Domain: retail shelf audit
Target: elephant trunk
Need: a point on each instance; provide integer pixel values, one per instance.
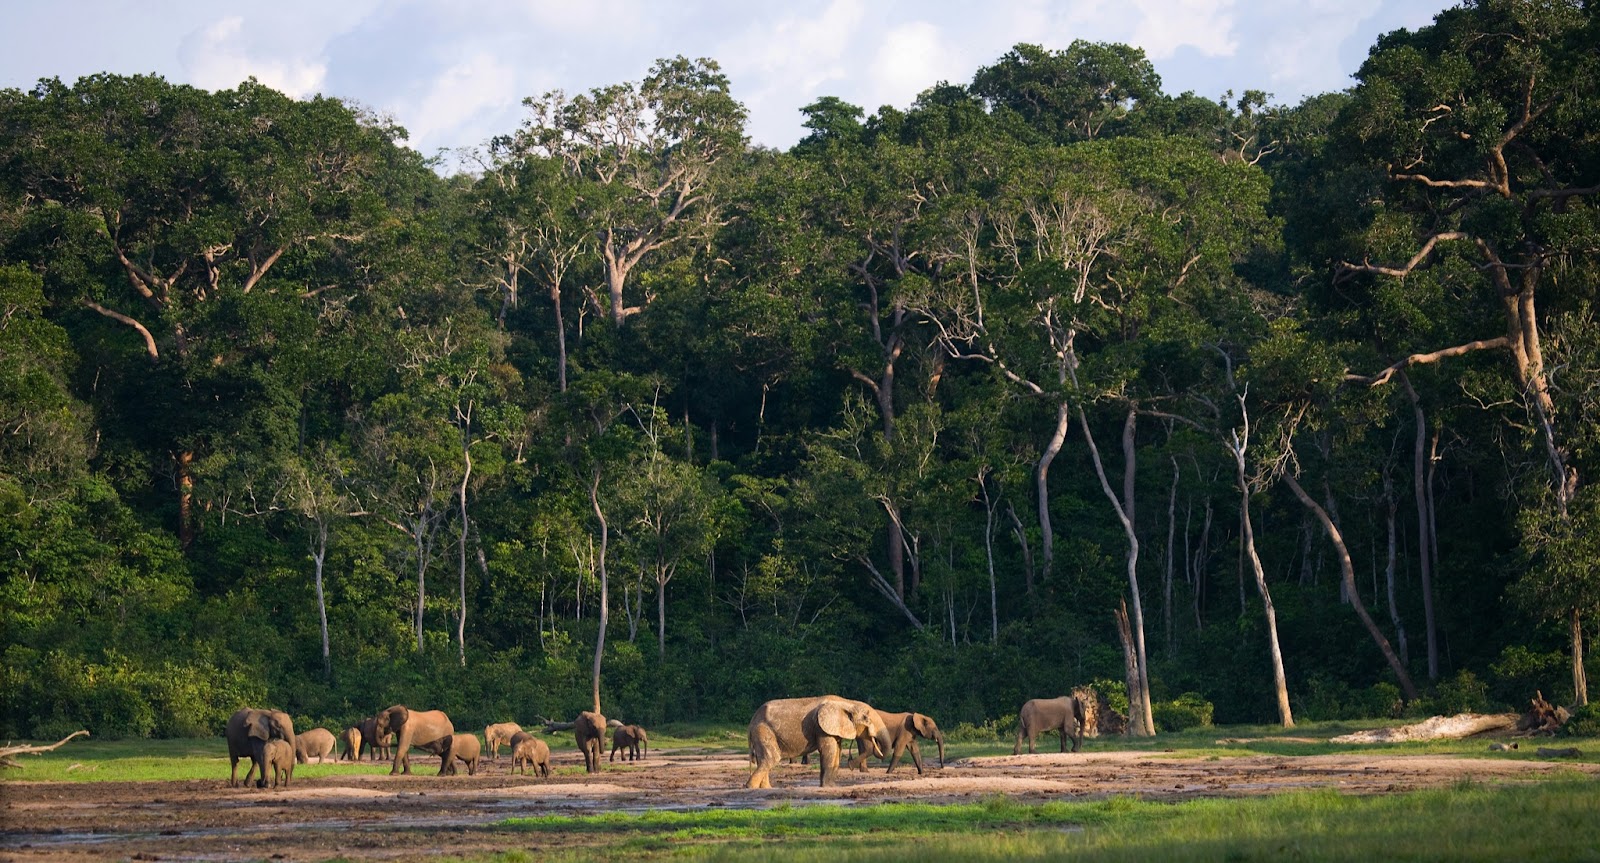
(258, 755)
(939, 738)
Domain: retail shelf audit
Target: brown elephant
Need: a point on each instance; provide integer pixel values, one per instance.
(424, 729)
(901, 731)
(378, 748)
(629, 738)
(465, 749)
(791, 727)
(280, 757)
(315, 743)
(1064, 715)
(351, 740)
(529, 751)
(590, 730)
(248, 731)
(497, 735)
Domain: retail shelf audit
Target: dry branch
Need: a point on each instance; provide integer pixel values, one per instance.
(1438, 728)
(8, 751)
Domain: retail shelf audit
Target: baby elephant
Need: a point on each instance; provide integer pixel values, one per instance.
(529, 751)
(280, 760)
(628, 738)
(463, 748)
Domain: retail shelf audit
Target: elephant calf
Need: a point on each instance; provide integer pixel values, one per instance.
(900, 733)
(280, 760)
(463, 748)
(315, 743)
(497, 735)
(526, 751)
(628, 738)
(351, 740)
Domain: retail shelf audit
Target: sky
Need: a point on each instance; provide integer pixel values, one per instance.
(454, 72)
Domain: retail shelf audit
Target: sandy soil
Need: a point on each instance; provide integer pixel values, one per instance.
(379, 818)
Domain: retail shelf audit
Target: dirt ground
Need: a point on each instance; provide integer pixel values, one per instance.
(378, 818)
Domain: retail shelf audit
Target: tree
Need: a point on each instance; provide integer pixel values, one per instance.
(1072, 95)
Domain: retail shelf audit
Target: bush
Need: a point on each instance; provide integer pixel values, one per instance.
(1521, 672)
(989, 731)
(1461, 693)
(1585, 722)
(1189, 710)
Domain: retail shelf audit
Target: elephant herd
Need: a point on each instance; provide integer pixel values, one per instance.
(781, 729)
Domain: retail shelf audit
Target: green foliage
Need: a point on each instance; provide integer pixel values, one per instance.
(1584, 722)
(1520, 672)
(1461, 692)
(1189, 710)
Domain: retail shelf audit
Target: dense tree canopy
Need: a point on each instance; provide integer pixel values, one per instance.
(909, 412)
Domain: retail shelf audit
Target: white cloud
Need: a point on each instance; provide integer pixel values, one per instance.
(459, 99)
(778, 66)
(216, 57)
(912, 58)
(1303, 53)
(1167, 25)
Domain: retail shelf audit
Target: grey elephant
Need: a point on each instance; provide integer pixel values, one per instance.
(900, 733)
(424, 729)
(629, 738)
(248, 731)
(315, 743)
(529, 751)
(590, 730)
(793, 727)
(377, 747)
(497, 735)
(465, 749)
(351, 740)
(280, 757)
(1064, 715)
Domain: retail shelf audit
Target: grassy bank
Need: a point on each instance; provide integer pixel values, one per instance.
(1550, 820)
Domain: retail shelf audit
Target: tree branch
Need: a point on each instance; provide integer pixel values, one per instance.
(1416, 260)
(149, 340)
(1383, 377)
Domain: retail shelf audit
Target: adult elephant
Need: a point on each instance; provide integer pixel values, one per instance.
(497, 735)
(316, 743)
(590, 730)
(793, 727)
(1064, 715)
(900, 733)
(351, 740)
(248, 731)
(425, 729)
(377, 748)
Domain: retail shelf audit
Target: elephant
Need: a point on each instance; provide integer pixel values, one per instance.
(464, 748)
(628, 738)
(529, 751)
(1064, 715)
(280, 757)
(351, 738)
(424, 729)
(494, 736)
(378, 747)
(901, 731)
(590, 730)
(316, 743)
(790, 727)
(248, 731)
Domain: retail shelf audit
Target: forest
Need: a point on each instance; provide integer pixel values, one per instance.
(1235, 409)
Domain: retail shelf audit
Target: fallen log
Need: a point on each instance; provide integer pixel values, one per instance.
(1437, 728)
(1563, 752)
(8, 751)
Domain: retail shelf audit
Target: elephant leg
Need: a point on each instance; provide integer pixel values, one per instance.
(258, 761)
(916, 755)
(894, 756)
(1017, 749)
(767, 755)
(1065, 736)
(233, 772)
(447, 758)
(828, 757)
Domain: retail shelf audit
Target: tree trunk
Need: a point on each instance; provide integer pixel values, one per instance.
(561, 338)
(1280, 686)
(1047, 537)
(319, 554)
(1580, 679)
(1425, 552)
(1348, 573)
(605, 611)
(461, 621)
(1391, 561)
(1022, 541)
(1130, 667)
(988, 551)
(661, 616)
(1166, 587)
(185, 499)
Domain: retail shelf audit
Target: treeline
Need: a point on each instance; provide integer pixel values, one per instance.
(1051, 378)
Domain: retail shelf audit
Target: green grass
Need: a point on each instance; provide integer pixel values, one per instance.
(1548, 820)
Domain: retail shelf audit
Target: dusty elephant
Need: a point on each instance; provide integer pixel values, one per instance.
(529, 751)
(280, 757)
(315, 743)
(900, 733)
(629, 738)
(351, 741)
(1064, 715)
(497, 735)
(377, 747)
(424, 729)
(248, 731)
(590, 730)
(791, 727)
(465, 749)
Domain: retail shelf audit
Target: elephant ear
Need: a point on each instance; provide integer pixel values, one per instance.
(924, 726)
(260, 727)
(833, 717)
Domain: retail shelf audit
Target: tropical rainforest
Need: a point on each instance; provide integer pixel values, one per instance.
(1052, 378)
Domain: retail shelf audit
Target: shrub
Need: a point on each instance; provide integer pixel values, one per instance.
(1521, 672)
(989, 731)
(1585, 721)
(1189, 710)
(1461, 693)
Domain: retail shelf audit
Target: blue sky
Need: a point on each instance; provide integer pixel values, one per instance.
(455, 73)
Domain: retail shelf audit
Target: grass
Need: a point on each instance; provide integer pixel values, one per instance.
(1548, 820)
